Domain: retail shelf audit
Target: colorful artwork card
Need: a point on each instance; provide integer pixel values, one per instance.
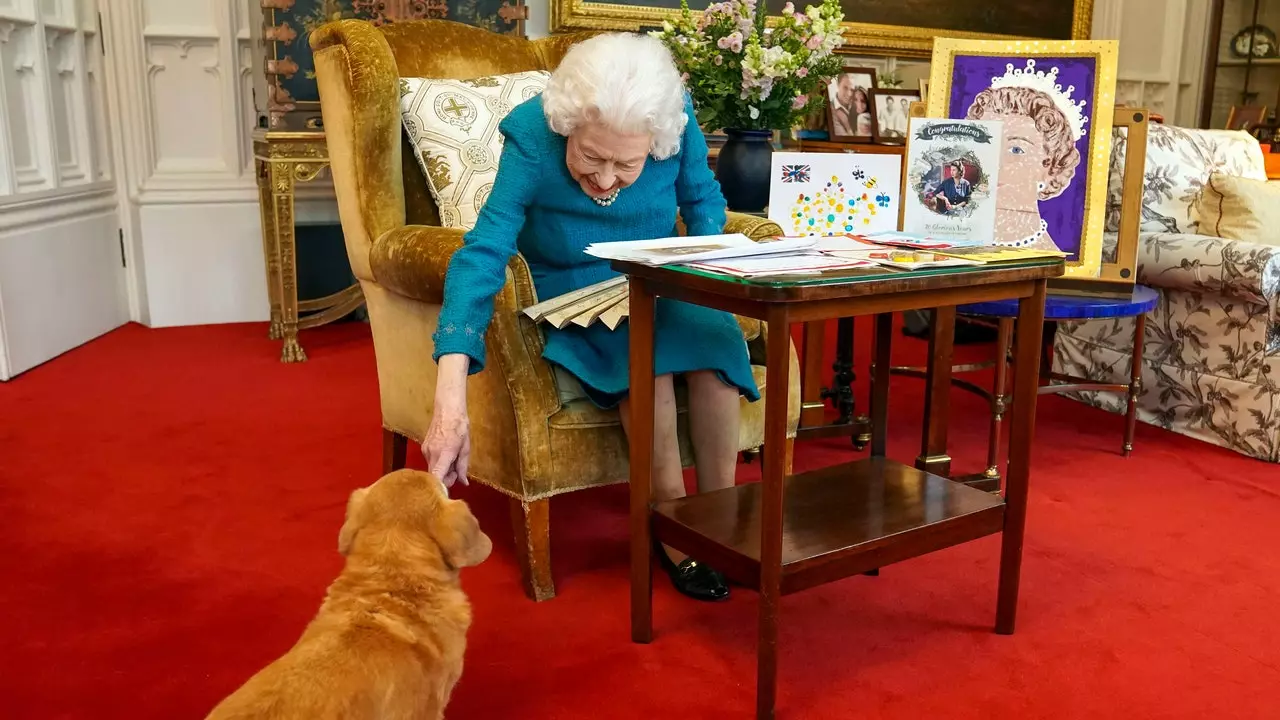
(835, 193)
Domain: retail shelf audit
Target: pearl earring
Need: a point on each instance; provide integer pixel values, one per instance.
(1039, 187)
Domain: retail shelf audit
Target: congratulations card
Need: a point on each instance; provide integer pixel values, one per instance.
(834, 193)
(953, 174)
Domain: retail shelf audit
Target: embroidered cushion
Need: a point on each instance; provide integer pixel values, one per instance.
(453, 128)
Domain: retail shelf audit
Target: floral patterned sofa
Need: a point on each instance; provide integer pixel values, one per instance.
(1211, 360)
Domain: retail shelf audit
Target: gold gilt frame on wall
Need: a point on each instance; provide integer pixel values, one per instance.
(901, 40)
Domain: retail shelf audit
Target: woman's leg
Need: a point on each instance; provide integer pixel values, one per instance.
(668, 475)
(714, 412)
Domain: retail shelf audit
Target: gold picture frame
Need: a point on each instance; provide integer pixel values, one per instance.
(860, 38)
(1076, 220)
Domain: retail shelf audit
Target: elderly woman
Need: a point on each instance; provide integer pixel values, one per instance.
(609, 152)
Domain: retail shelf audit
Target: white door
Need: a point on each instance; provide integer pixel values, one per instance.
(62, 279)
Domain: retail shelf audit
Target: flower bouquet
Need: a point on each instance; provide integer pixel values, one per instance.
(744, 75)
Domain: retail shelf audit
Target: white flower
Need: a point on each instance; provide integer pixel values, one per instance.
(754, 112)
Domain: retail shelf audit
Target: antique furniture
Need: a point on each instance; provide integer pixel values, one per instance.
(792, 532)
(282, 159)
(1059, 308)
(1212, 345)
(882, 28)
(1242, 65)
(525, 442)
(289, 143)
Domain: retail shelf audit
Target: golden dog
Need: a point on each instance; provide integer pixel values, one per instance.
(389, 639)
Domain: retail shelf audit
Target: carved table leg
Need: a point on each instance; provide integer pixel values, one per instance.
(1135, 383)
(282, 182)
(270, 249)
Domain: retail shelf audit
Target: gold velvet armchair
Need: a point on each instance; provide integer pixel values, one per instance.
(525, 442)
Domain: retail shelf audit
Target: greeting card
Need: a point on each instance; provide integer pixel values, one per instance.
(834, 193)
(953, 174)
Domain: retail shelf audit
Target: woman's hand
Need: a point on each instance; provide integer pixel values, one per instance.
(447, 447)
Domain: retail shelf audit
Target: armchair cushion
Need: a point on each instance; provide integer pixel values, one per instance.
(1240, 209)
(1235, 269)
(453, 128)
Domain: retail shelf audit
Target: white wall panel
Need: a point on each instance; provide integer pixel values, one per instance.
(55, 287)
(204, 264)
(186, 105)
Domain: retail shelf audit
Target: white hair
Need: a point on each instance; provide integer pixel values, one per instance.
(627, 82)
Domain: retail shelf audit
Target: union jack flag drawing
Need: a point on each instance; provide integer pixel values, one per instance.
(795, 173)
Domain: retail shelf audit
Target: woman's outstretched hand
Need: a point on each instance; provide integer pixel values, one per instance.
(447, 446)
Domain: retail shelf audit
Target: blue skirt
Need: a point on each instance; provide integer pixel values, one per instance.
(687, 338)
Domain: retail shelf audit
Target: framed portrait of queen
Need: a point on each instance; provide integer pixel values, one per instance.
(1055, 100)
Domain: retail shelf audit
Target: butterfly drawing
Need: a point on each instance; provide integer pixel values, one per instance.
(795, 173)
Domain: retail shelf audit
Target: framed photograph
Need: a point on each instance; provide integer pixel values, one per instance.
(1057, 102)
(892, 109)
(850, 114)
(1246, 117)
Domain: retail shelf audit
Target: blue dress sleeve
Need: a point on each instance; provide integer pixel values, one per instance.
(478, 270)
(702, 206)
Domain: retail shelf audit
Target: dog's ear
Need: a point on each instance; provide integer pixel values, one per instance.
(458, 534)
(354, 521)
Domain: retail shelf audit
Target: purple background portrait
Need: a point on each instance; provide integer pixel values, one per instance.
(972, 74)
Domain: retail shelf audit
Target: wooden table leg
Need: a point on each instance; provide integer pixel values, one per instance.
(778, 368)
(270, 250)
(641, 444)
(937, 400)
(880, 384)
(813, 409)
(1135, 382)
(282, 185)
(1022, 421)
(1004, 335)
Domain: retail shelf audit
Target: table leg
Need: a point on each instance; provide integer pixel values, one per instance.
(1135, 382)
(270, 250)
(937, 400)
(1021, 434)
(1004, 335)
(841, 391)
(880, 384)
(282, 183)
(778, 367)
(812, 402)
(640, 321)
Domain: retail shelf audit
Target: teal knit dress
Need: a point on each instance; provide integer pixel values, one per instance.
(538, 209)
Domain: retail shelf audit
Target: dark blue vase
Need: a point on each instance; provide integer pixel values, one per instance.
(743, 169)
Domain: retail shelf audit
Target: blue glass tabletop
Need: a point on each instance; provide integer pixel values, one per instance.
(1074, 307)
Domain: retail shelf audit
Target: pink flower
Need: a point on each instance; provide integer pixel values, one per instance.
(815, 42)
(723, 43)
(802, 72)
(799, 102)
(684, 77)
(788, 9)
(719, 59)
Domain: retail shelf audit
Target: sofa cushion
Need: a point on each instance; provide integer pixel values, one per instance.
(1179, 162)
(1240, 209)
(453, 128)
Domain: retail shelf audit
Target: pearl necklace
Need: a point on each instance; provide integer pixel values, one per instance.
(607, 200)
(1044, 227)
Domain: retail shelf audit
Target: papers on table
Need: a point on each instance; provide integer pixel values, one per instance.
(685, 250)
(779, 265)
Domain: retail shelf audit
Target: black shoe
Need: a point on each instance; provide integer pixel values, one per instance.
(693, 579)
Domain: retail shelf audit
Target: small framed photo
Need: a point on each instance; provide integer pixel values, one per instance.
(850, 113)
(892, 108)
(1245, 117)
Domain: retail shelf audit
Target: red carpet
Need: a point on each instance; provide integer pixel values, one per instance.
(171, 501)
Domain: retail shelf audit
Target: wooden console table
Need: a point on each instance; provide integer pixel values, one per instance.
(281, 161)
(786, 534)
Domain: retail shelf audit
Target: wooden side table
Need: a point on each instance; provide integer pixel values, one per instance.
(786, 534)
(281, 160)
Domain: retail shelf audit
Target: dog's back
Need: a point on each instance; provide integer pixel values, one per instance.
(389, 640)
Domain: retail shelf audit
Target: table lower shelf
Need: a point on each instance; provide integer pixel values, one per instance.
(839, 521)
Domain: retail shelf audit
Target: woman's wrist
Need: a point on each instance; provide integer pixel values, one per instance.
(451, 379)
